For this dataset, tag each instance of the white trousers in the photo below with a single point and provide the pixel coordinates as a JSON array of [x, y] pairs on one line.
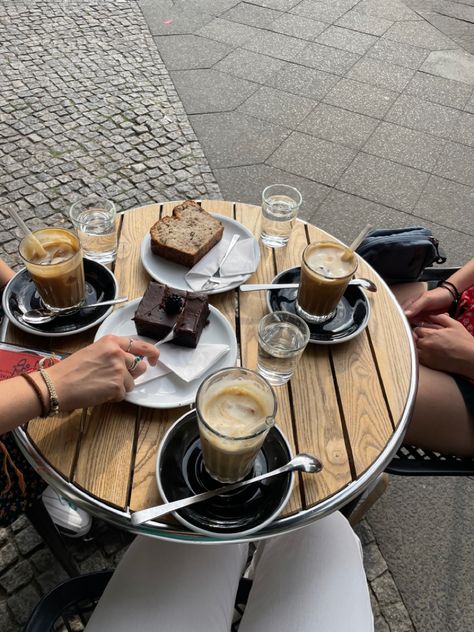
[[309, 580]]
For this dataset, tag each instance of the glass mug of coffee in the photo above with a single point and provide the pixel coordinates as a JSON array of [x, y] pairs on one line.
[[326, 269], [235, 409], [53, 257]]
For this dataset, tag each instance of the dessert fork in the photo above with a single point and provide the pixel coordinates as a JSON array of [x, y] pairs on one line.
[[210, 283]]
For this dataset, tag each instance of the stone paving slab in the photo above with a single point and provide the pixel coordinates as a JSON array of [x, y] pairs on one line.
[[451, 64], [339, 126], [276, 106], [312, 158], [248, 65], [232, 139], [297, 26], [423, 116], [384, 181], [371, 24], [300, 80], [362, 98], [247, 13], [185, 52], [327, 58], [399, 54], [439, 90], [406, 146], [380, 73], [227, 32], [346, 39], [209, 90], [440, 195]]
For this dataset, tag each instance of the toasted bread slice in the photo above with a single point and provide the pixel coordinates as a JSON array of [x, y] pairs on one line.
[[187, 235]]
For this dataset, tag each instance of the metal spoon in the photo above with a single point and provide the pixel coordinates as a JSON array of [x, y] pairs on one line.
[[301, 462], [44, 315], [367, 284]]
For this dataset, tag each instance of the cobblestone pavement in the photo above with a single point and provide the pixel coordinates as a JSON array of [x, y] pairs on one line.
[[87, 104]]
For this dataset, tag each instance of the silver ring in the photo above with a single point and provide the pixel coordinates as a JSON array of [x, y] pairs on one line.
[[134, 364], [130, 343]]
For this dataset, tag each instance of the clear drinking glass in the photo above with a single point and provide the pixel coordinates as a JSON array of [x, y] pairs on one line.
[[235, 409], [326, 269], [53, 257], [280, 206], [94, 220], [282, 338]]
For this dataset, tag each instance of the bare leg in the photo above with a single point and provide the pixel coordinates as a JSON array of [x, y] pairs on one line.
[[440, 421], [404, 291]]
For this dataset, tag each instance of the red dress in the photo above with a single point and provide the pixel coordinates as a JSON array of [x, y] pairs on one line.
[[465, 310]]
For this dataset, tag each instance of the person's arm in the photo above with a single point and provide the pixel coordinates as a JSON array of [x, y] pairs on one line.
[[6, 273], [464, 277], [449, 347], [19, 402], [440, 299], [94, 375]]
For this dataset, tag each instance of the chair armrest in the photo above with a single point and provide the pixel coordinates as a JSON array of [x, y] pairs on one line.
[[437, 274]]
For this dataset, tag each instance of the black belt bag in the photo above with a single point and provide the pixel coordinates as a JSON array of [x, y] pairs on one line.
[[400, 255]]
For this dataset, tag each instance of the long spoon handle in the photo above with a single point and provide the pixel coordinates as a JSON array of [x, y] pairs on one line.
[[113, 301], [154, 512]]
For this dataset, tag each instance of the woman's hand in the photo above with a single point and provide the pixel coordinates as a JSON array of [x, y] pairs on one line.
[[446, 345], [437, 301], [100, 372]]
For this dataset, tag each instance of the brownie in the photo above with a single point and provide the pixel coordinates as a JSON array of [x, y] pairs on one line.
[[191, 320], [162, 307]]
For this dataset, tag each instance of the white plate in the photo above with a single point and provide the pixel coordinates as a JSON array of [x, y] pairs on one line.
[[169, 391], [172, 273]]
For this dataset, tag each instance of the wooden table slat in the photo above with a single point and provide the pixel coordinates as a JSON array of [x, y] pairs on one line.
[[366, 416], [154, 424], [58, 438], [107, 453], [391, 345]]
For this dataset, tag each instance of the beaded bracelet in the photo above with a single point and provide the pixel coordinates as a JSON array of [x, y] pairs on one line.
[[37, 390]]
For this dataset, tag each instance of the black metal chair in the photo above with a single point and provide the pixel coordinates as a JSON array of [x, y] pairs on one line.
[[71, 603], [412, 461]]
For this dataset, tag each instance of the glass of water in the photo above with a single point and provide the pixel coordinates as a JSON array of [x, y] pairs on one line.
[[280, 206], [94, 219], [282, 338]]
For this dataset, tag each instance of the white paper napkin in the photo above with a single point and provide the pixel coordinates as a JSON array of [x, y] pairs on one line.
[[188, 364], [240, 262]]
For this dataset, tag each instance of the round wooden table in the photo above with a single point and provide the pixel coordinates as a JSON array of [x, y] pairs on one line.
[[348, 404]]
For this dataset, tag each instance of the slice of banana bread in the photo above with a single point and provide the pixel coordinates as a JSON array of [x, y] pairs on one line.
[[187, 235]]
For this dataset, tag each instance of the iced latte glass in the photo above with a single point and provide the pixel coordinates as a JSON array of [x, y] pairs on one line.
[[235, 409], [326, 269], [53, 257]]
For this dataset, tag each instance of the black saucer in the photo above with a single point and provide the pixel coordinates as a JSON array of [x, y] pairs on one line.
[[180, 473], [352, 314], [20, 295]]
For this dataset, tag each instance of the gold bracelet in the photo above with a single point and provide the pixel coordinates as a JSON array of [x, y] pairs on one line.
[[53, 396]]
